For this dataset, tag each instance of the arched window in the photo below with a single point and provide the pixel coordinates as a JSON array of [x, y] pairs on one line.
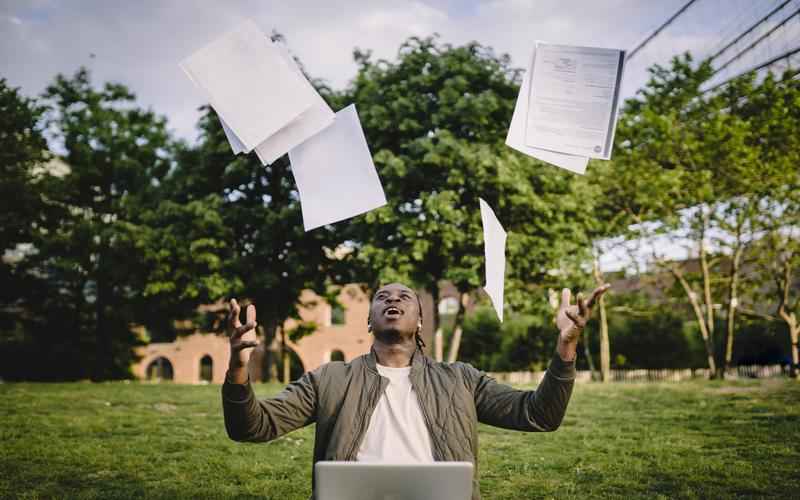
[[207, 369], [160, 369], [337, 355]]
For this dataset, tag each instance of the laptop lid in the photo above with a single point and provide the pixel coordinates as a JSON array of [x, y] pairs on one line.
[[380, 481]]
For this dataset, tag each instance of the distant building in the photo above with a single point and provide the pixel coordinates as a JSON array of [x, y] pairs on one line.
[[341, 334]]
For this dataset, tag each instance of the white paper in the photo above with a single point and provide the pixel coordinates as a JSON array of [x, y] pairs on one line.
[[249, 85], [573, 102], [516, 135], [494, 247], [335, 174], [236, 144], [310, 122]]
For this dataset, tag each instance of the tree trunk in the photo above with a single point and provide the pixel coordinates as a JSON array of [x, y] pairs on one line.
[[789, 317], [268, 369], [102, 330], [588, 353], [455, 341], [733, 303], [285, 360], [709, 302], [605, 345], [794, 333], [698, 313]]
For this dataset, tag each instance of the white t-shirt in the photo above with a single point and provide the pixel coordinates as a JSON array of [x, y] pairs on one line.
[[397, 431]]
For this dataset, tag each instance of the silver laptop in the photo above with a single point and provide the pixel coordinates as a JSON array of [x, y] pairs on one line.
[[375, 481]]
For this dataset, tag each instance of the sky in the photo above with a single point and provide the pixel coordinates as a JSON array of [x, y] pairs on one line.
[[140, 43]]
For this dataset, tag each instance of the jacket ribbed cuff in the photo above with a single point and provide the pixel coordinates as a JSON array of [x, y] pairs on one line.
[[237, 393], [563, 370]]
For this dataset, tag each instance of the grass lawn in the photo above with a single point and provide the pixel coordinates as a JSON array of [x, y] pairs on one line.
[[670, 440]]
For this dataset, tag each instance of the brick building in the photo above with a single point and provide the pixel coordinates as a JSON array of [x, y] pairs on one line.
[[341, 334]]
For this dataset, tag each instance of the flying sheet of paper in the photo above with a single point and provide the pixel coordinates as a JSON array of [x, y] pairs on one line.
[[248, 84], [335, 174], [573, 102], [310, 122], [516, 135], [236, 144], [494, 247]]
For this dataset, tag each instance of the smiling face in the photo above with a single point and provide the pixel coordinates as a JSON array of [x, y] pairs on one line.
[[395, 310]]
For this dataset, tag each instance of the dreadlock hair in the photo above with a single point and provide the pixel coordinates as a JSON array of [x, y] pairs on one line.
[[418, 334]]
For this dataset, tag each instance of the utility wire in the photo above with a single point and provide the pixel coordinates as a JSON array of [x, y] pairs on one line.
[[750, 29], [659, 30], [757, 41], [786, 55]]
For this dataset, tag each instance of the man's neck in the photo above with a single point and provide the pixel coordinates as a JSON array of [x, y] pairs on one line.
[[396, 354]]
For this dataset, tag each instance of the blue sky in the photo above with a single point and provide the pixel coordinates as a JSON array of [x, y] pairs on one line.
[[140, 43]]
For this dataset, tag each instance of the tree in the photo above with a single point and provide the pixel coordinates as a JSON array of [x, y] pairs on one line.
[[82, 307], [436, 120], [272, 259], [23, 153]]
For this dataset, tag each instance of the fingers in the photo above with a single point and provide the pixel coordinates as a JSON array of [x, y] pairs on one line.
[[242, 329], [565, 298], [582, 309], [250, 313], [233, 317], [598, 292], [247, 344], [575, 319]]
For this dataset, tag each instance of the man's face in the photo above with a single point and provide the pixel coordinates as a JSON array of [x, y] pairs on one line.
[[395, 309]]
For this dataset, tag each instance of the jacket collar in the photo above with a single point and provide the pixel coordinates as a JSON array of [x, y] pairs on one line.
[[418, 362]]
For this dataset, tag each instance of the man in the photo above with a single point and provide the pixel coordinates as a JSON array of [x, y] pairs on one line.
[[395, 404]]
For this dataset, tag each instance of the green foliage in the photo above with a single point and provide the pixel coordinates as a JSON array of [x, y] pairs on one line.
[[436, 120], [521, 342], [270, 257], [22, 150], [661, 340]]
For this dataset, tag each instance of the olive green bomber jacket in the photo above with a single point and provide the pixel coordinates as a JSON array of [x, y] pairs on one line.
[[453, 397]]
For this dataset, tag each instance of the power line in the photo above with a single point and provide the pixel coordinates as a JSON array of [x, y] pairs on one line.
[[751, 28], [786, 55], [757, 41], [659, 29]]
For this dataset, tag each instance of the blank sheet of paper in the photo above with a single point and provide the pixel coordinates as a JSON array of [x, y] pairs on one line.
[[516, 134], [494, 247], [310, 122], [335, 174], [249, 84]]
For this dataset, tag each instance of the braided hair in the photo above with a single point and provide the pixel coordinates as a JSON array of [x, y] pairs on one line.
[[418, 334]]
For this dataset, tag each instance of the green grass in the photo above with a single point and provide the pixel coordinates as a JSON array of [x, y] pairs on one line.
[[669, 440]]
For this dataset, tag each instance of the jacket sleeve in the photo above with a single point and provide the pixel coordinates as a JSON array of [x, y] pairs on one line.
[[249, 419], [538, 410]]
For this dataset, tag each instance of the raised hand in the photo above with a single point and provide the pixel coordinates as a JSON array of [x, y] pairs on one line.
[[242, 337], [571, 319]]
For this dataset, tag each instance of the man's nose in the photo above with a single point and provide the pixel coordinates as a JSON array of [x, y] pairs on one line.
[[393, 299]]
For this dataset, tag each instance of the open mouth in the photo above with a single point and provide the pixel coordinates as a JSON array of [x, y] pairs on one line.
[[392, 312]]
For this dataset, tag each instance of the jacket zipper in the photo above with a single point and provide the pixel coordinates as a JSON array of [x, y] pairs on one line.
[[432, 434], [351, 455]]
